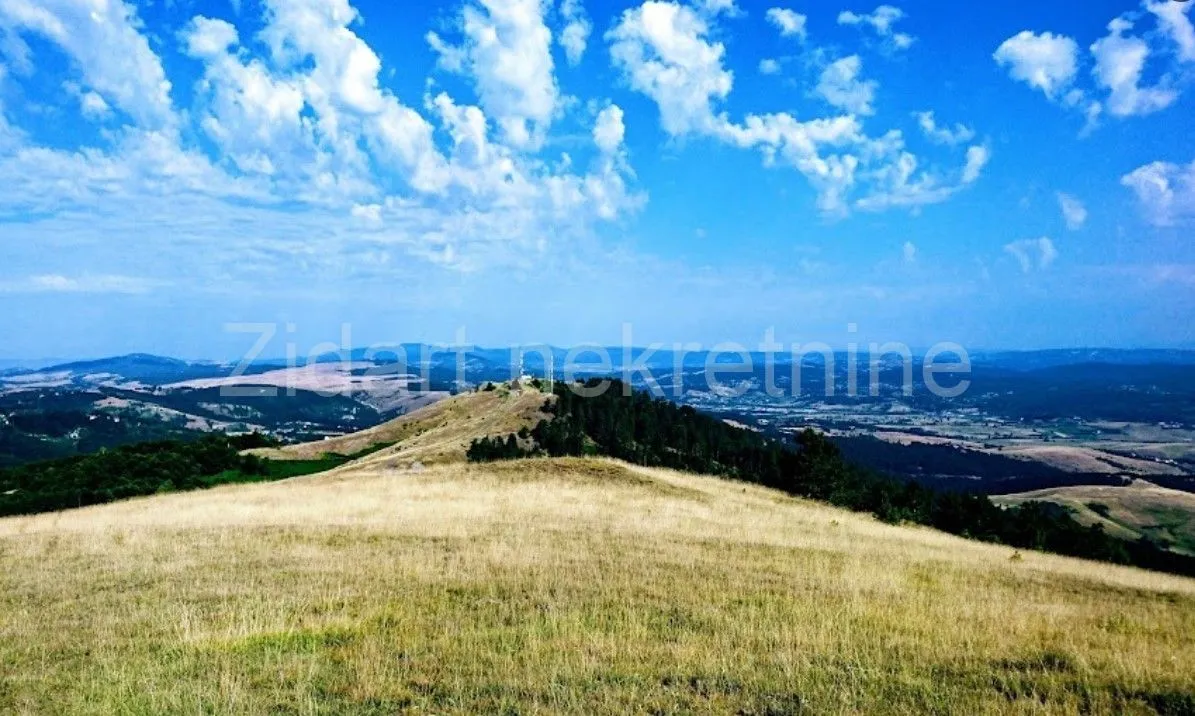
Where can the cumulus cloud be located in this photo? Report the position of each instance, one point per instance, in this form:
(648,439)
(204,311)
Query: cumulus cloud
(1047,62)
(882,20)
(254,116)
(206,38)
(901,182)
(769,66)
(841,86)
(1033,254)
(574,37)
(713,8)
(1165,191)
(1173,17)
(943,134)
(507,51)
(102,40)
(1050,63)
(609,130)
(293,137)
(664,51)
(788,22)
(91,104)
(978,157)
(1073,211)
(1119,65)
(661,48)
(909,252)
(308,152)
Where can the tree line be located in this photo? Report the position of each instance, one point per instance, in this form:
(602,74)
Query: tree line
(131,471)
(658,433)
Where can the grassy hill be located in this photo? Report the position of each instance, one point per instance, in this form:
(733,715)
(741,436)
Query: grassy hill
(1139,510)
(440,432)
(409,581)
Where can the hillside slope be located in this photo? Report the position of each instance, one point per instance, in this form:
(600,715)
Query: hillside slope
(440,432)
(1141,509)
(561,586)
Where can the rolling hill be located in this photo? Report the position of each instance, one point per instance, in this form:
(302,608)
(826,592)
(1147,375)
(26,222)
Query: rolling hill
(435,433)
(411,581)
(1141,509)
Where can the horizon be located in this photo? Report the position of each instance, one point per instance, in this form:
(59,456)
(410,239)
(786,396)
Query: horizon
(42,363)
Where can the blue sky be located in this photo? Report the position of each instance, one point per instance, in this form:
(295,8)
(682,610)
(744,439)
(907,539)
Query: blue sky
(998,174)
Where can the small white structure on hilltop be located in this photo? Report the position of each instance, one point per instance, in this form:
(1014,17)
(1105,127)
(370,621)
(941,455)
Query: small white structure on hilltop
(526,378)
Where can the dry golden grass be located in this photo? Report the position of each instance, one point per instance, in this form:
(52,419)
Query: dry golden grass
(437,433)
(571,586)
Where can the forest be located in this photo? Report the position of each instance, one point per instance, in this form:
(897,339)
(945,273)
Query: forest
(658,433)
(145,469)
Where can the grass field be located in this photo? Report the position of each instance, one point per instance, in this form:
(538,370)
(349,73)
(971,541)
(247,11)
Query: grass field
(410,582)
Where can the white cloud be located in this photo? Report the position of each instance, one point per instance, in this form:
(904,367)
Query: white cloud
(256,115)
(660,47)
(337,72)
(609,130)
(10,137)
(713,8)
(316,161)
(206,38)
(1051,62)
(663,51)
(978,157)
(769,66)
(1047,62)
(110,55)
(841,87)
(1172,16)
(507,51)
(449,57)
(1165,191)
(882,20)
(909,252)
(369,213)
(902,183)
(297,159)
(91,104)
(1073,211)
(959,134)
(1119,64)
(57,283)
(790,23)
(1033,254)
(575,35)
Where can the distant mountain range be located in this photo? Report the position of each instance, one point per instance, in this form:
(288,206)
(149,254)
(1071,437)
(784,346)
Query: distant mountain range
(490,362)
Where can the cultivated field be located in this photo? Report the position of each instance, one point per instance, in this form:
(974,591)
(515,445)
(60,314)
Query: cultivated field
(382,389)
(574,586)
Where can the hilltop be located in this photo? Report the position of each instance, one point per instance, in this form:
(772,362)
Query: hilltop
(440,432)
(412,581)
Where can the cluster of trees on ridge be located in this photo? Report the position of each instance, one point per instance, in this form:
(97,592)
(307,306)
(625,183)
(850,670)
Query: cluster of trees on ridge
(658,433)
(146,469)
